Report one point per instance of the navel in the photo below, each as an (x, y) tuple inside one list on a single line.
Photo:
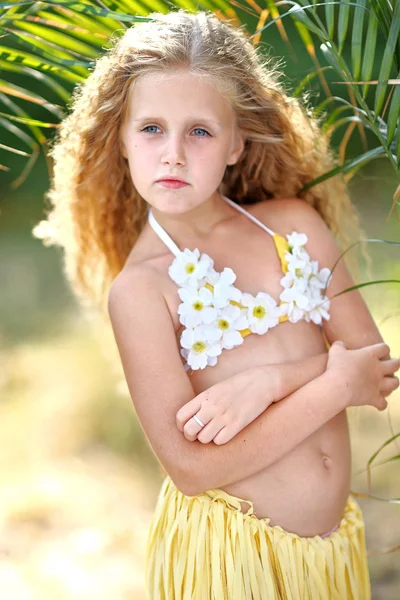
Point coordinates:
[(327, 462)]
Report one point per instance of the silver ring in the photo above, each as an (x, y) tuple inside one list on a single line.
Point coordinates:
[(198, 420)]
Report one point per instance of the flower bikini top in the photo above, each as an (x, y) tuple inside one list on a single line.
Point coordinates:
[(217, 315)]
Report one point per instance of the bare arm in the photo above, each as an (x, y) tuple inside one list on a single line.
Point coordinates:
[(159, 387), (269, 437), (350, 321), (231, 404), (294, 375), (158, 384), (356, 377)]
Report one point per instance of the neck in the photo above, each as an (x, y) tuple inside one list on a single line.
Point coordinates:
[(199, 222)]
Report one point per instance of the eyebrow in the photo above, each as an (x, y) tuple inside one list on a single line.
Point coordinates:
[(189, 120)]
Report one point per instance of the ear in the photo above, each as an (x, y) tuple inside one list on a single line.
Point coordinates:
[(237, 149)]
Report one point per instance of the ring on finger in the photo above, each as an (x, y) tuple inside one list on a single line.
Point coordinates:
[(196, 418)]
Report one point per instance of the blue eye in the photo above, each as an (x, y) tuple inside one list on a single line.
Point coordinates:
[(145, 129), (148, 126), (200, 129)]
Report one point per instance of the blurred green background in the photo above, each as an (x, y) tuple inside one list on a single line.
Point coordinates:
[(78, 480)]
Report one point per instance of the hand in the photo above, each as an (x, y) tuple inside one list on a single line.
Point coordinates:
[(368, 373), (221, 407)]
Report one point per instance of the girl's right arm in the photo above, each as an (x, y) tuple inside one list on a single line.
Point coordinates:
[(159, 387)]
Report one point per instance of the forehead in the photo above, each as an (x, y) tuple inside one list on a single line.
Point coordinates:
[(177, 94)]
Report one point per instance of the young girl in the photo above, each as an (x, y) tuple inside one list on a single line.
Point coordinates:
[(175, 178)]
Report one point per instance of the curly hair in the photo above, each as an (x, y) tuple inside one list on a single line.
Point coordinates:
[(96, 213)]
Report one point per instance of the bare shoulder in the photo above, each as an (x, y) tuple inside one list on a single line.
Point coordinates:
[(293, 214), (287, 214), (137, 276), (148, 251)]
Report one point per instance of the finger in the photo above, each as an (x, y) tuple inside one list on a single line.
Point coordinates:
[(223, 436), (382, 403), (208, 433), (232, 428), (388, 385), (380, 350), (226, 434), (390, 366), (187, 411), (341, 342), (192, 428)]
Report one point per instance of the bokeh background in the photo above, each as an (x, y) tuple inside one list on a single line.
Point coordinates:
[(78, 481)]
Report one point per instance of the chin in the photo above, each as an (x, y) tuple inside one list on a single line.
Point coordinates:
[(173, 204)]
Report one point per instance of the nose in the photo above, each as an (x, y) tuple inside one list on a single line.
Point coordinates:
[(173, 151)]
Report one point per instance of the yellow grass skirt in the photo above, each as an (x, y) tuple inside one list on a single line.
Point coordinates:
[(205, 548)]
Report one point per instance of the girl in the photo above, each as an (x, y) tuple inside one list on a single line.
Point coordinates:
[(220, 312)]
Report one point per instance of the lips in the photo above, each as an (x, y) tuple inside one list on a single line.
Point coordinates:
[(172, 179), (174, 184)]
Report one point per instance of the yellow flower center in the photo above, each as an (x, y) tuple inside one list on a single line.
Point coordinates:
[(223, 324), (199, 347), (197, 305), (189, 268), (298, 272), (259, 312)]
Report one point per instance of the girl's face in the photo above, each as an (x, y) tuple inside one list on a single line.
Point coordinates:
[(178, 125)]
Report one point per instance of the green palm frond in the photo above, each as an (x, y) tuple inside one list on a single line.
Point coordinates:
[(370, 19), (56, 42)]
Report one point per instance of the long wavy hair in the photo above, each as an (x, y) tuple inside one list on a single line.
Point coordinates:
[(96, 214)]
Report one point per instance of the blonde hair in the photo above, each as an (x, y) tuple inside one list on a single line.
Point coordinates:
[(96, 213)]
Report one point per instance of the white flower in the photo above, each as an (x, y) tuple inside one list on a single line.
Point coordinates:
[(188, 267), (214, 311), (262, 312), (201, 345), (223, 288), (196, 307), (292, 311), (229, 322), (320, 278), (295, 296), (301, 297), (302, 300), (299, 263), (296, 240), (295, 289), (319, 307)]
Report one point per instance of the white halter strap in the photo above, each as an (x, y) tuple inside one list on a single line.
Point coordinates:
[(251, 217), (164, 236), (168, 241)]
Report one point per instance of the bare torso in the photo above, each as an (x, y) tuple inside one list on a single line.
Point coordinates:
[(304, 492)]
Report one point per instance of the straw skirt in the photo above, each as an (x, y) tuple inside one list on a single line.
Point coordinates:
[(205, 548)]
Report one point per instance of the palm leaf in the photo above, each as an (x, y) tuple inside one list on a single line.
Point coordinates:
[(38, 75), (20, 134), (357, 38), (389, 58), (62, 38), (381, 447), (11, 89)]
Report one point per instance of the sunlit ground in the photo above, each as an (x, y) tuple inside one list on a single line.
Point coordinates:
[(78, 481), (74, 502)]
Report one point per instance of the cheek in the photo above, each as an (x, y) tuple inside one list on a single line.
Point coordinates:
[(140, 155)]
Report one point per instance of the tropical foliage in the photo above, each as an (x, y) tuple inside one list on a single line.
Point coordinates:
[(56, 43)]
